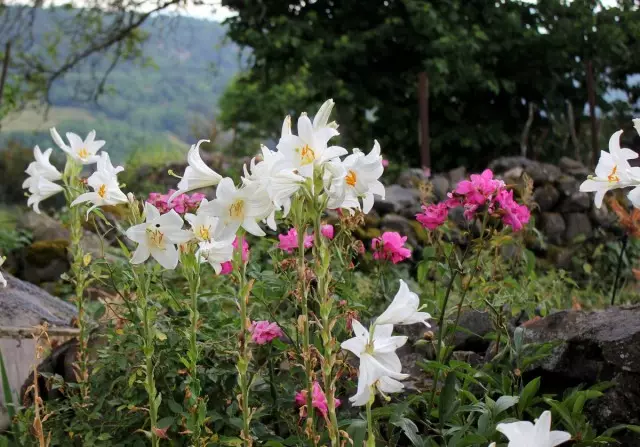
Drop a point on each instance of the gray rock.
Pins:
(513, 174)
(553, 227)
(399, 200)
(43, 227)
(573, 167)
(457, 175)
(546, 197)
(470, 357)
(24, 305)
(441, 186)
(594, 347)
(395, 222)
(577, 202)
(472, 327)
(411, 178)
(542, 172)
(578, 224)
(603, 217)
(503, 164)
(567, 185)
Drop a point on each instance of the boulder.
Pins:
(567, 185)
(573, 167)
(412, 178)
(395, 222)
(553, 227)
(457, 175)
(546, 197)
(578, 224)
(441, 187)
(22, 306)
(399, 200)
(594, 347)
(576, 202)
(542, 172)
(472, 328)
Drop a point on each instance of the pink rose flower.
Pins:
(227, 267)
(289, 241)
(433, 215)
(327, 231)
(262, 332)
(479, 189)
(515, 215)
(385, 163)
(181, 204)
(390, 246)
(318, 398)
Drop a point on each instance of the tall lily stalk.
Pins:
(74, 187)
(197, 407)
(244, 352)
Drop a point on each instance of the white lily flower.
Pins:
(309, 147)
(379, 363)
(3, 282)
(41, 167)
(613, 171)
(361, 179)
(270, 174)
(104, 182)
(525, 434)
(81, 150)
(197, 175)
(202, 224)
(41, 189)
(636, 124)
(334, 184)
(158, 237)
(216, 252)
(238, 207)
(404, 309)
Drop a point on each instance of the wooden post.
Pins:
(5, 68)
(423, 104)
(591, 95)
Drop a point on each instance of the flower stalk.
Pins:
(371, 437)
(191, 268)
(304, 302)
(74, 188)
(244, 354)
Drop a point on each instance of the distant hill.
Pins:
(155, 106)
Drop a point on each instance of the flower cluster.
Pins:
(380, 367)
(318, 399)
(390, 247)
(227, 267)
(42, 175)
(480, 192)
(614, 171)
(182, 203)
(289, 240)
(262, 332)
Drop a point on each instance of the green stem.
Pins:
(192, 271)
(306, 345)
(371, 439)
(74, 188)
(323, 276)
(149, 350)
(243, 351)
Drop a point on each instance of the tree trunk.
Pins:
(423, 104)
(591, 92)
(5, 69)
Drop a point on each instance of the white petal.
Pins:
(322, 117)
(252, 227)
(141, 254)
(520, 431)
(167, 257)
(558, 437)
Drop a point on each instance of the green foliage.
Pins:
(486, 63)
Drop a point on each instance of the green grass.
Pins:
(34, 119)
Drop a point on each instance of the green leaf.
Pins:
(410, 430)
(527, 394)
(357, 431)
(505, 402)
(6, 389)
(447, 400)
(175, 406)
